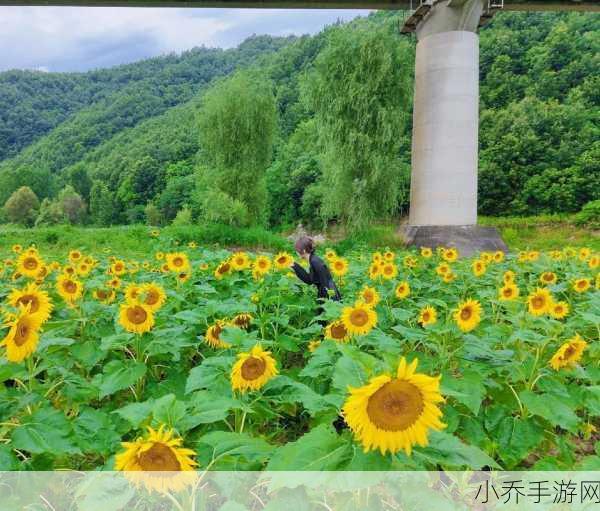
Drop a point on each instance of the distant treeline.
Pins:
(311, 129)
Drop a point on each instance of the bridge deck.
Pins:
(511, 5)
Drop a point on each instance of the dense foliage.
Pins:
(129, 139)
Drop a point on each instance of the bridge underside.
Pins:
(512, 5)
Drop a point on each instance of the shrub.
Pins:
(589, 215)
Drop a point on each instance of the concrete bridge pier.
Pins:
(443, 196)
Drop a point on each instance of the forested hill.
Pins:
(97, 104)
(133, 142)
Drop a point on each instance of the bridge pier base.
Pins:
(443, 195)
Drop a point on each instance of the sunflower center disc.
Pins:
(21, 334)
(569, 352)
(338, 331)
(426, 317)
(30, 263)
(253, 368)
(537, 302)
(151, 297)
(396, 406)
(102, 294)
(70, 287)
(159, 457)
(359, 317)
(508, 292)
(465, 313)
(30, 300)
(136, 314)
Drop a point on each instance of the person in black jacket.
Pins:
(318, 274)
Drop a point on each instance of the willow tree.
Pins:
(238, 120)
(360, 92)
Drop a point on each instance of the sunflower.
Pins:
(584, 254)
(105, 295)
(253, 370)
(539, 301)
(426, 252)
(242, 320)
(442, 269)
(153, 296)
(192, 244)
(16, 248)
(486, 257)
(391, 414)
(478, 268)
(449, 277)
(155, 233)
(115, 283)
(556, 255)
(339, 266)
(330, 254)
(594, 262)
(69, 289)
(468, 315)
(222, 269)
(118, 268)
(533, 255)
(213, 333)
(509, 277)
(283, 261)
(158, 455)
(369, 296)
(203, 266)
(183, 276)
(359, 319)
(410, 262)
(389, 271)
(498, 256)
(374, 270)
(427, 316)
(450, 255)
(136, 317)
(159, 256)
(508, 292)
(569, 353)
(581, 285)
(75, 256)
(262, 265)
(34, 300)
(178, 262)
(559, 310)
(29, 264)
(132, 292)
(240, 261)
(389, 256)
(23, 335)
(337, 331)
(570, 252)
(402, 290)
(548, 277)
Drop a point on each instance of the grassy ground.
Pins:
(541, 233)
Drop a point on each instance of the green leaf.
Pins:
(225, 443)
(468, 390)
(319, 449)
(286, 390)
(46, 342)
(118, 375)
(517, 438)
(592, 400)
(168, 410)
(206, 407)
(104, 491)
(94, 432)
(556, 411)
(136, 413)
(450, 451)
(45, 431)
(206, 375)
(8, 460)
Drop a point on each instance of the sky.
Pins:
(79, 39)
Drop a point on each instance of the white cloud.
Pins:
(76, 38)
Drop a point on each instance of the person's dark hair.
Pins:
(304, 244)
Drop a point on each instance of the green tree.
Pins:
(152, 214)
(360, 92)
(101, 204)
(237, 129)
(51, 213)
(22, 206)
(72, 205)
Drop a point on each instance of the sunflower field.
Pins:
(198, 358)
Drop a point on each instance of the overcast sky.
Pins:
(78, 39)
